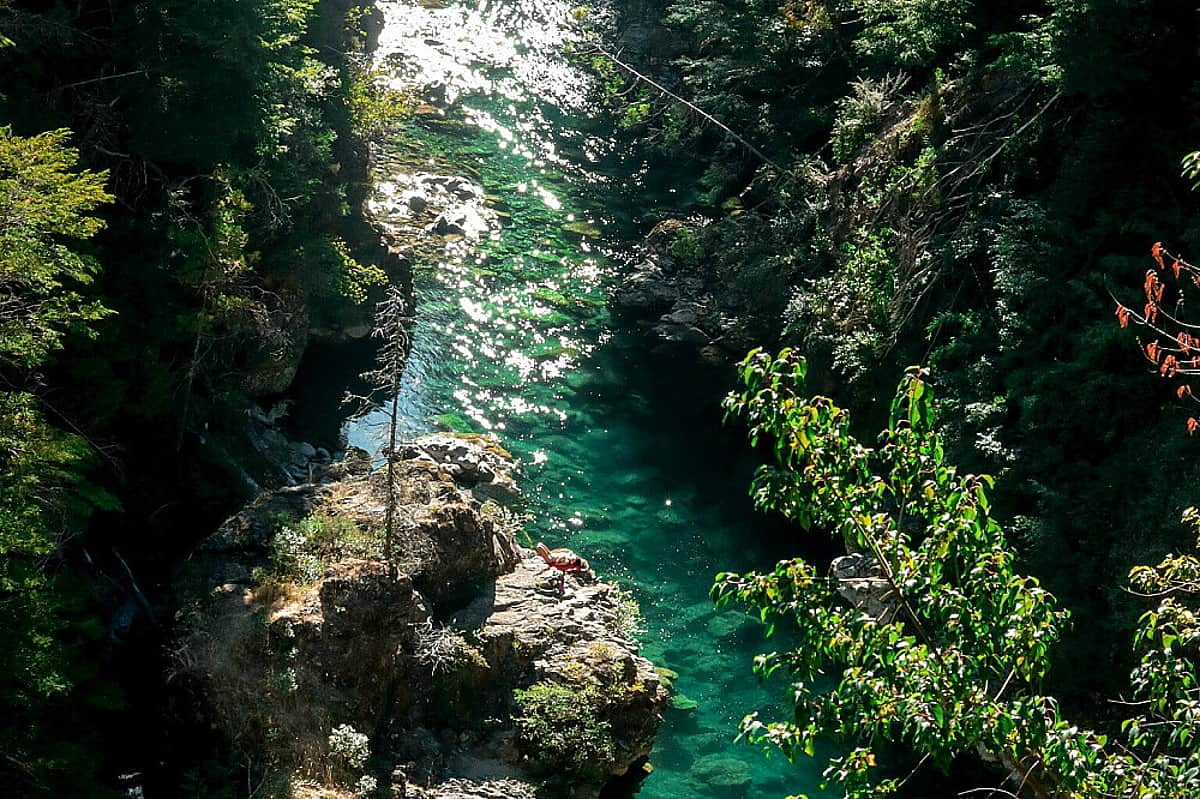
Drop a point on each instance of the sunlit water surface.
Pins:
(621, 452)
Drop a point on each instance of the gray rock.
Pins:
(269, 417)
(474, 461)
(463, 189)
(339, 648)
(415, 201)
(461, 220)
(647, 288)
(721, 771)
(860, 581)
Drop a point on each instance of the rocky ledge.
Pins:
(460, 672)
(678, 303)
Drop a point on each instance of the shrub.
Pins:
(630, 622)
(562, 732)
(350, 745)
(376, 107)
(366, 786)
(860, 114)
(509, 521)
(302, 550)
(441, 648)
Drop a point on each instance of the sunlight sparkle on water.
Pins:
(549, 199)
(514, 335)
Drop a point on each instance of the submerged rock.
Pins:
(580, 228)
(721, 771)
(460, 220)
(681, 702)
(728, 624)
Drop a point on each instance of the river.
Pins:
(623, 455)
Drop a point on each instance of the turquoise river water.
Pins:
(623, 456)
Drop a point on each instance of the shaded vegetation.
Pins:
(951, 655)
(960, 185)
(180, 186)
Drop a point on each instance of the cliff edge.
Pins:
(460, 672)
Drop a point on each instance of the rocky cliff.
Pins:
(461, 672)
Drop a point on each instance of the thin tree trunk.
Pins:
(390, 525)
(191, 375)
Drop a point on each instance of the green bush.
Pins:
(562, 733)
(302, 550)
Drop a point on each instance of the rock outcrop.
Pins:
(859, 580)
(474, 461)
(336, 671)
(680, 307)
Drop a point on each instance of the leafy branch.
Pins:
(958, 670)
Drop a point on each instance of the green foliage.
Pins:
(36, 462)
(636, 113)
(510, 522)
(1016, 173)
(350, 745)
(222, 131)
(376, 107)
(562, 732)
(631, 624)
(860, 114)
(46, 204)
(353, 279)
(853, 309)
(686, 246)
(1191, 168)
(301, 551)
(910, 32)
(44, 498)
(951, 661)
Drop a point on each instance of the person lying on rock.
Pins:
(564, 560)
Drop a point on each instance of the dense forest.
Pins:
(972, 189)
(180, 191)
(862, 186)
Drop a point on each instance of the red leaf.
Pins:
(1156, 251)
(1193, 426)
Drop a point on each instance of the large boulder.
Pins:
(859, 580)
(275, 333)
(442, 539)
(529, 634)
(297, 669)
(475, 461)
